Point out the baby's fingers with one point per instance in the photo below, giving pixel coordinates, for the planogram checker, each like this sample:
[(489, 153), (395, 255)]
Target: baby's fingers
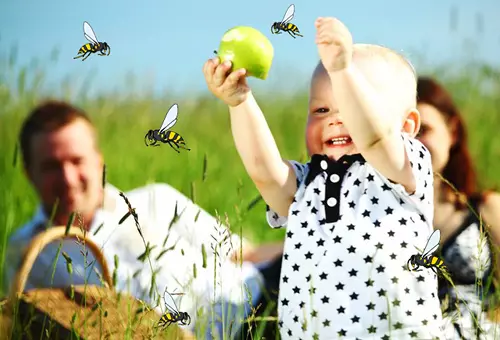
[(221, 72), (233, 79), (209, 68)]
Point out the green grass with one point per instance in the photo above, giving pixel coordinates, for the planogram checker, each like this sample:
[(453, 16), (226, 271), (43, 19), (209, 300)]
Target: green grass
[(204, 124)]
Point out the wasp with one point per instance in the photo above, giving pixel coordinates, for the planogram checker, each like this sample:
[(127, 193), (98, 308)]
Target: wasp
[(164, 135), (285, 25), (94, 46), (426, 259), (172, 315)]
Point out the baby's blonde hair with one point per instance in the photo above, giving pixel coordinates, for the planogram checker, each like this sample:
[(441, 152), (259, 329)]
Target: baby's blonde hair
[(398, 74)]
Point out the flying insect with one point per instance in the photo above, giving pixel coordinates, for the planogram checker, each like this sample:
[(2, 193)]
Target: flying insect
[(285, 25), (426, 259), (172, 315), (94, 46), (163, 135)]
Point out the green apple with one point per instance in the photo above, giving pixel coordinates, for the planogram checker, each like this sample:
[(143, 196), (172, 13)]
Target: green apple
[(247, 48)]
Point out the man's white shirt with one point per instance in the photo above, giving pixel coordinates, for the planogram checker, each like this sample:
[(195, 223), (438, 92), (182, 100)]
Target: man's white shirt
[(184, 268)]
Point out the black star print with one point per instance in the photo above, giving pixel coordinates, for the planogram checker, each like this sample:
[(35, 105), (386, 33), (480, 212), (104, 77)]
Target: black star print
[(339, 286), (353, 272), (289, 234), (368, 259), (385, 337), (393, 256), (352, 204), (403, 244), (338, 263), (402, 221), (394, 280), (420, 278), (295, 212), (385, 187), (369, 282), (298, 245), (304, 224), (309, 255), (314, 313), (382, 316), (284, 302), (315, 336), (325, 299), (391, 233), (323, 276), (381, 292), (355, 319), (337, 239), (354, 296), (285, 279), (351, 249), (372, 329), (341, 310), (356, 182), (322, 221), (342, 332), (425, 322), (396, 303), (369, 178), (380, 269), (314, 210), (316, 191), (366, 236), (302, 304), (370, 306), (295, 267), (308, 203), (295, 318), (289, 332), (285, 256), (420, 301), (310, 232), (379, 245), (296, 290), (374, 200), (413, 334), (376, 223), (350, 227), (398, 325), (389, 211), (320, 242), (408, 313), (308, 278), (312, 290), (366, 213)]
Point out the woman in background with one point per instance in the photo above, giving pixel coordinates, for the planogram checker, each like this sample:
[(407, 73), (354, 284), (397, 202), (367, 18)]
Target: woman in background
[(468, 244)]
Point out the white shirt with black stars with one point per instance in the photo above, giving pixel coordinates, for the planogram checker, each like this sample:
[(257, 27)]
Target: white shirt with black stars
[(350, 234)]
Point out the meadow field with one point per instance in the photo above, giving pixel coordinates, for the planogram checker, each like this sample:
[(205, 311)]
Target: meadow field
[(223, 187)]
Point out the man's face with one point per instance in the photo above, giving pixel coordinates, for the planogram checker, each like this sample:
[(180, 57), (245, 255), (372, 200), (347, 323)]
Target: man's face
[(66, 165)]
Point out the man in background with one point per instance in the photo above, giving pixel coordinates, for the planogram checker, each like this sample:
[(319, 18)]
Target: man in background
[(62, 160)]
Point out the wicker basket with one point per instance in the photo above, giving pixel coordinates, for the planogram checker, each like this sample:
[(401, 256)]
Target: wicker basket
[(84, 312)]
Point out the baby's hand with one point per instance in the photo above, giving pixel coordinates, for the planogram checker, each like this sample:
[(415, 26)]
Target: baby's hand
[(232, 89), (334, 44)]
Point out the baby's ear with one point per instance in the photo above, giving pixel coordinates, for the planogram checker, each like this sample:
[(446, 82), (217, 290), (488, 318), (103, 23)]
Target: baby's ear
[(411, 123)]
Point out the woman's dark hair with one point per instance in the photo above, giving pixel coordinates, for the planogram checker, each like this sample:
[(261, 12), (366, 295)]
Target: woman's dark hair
[(459, 170)]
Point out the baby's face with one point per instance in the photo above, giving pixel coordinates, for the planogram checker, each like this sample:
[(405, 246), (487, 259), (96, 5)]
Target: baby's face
[(325, 132)]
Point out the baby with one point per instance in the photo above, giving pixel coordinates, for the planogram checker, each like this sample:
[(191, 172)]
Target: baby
[(358, 210)]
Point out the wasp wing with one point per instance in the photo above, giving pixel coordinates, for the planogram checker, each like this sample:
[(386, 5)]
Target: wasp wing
[(170, 118), (170, 302), (289, 14), (89, 33), (432, 243)]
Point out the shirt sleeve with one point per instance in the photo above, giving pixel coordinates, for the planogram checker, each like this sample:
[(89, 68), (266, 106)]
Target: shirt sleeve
[(274, 219), (423, 197)]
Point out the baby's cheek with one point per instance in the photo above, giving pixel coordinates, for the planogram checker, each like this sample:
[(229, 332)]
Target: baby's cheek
[(313, 139)]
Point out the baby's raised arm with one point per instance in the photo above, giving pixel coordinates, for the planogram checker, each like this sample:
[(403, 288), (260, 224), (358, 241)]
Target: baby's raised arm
[(274, 177)]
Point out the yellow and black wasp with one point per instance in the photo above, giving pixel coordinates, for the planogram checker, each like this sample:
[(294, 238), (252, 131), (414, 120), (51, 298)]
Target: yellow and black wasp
[(163, 135), (172, 315), (426, 259), (285, 25), (94, 46)]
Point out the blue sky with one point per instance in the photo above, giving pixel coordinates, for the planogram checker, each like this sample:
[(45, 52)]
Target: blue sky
[(164, 43)]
